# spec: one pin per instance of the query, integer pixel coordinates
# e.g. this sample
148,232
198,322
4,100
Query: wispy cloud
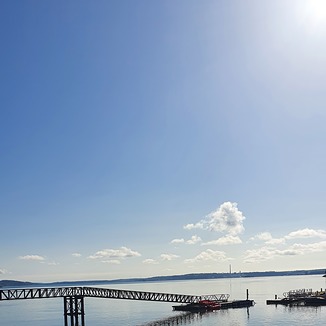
193,240
177,241
264,236
169,257
121,253
3,271
223,241
259,255
150,261
32,257
267,253
111,261
298,234
208,255
268,239
76,254
306,233
227,218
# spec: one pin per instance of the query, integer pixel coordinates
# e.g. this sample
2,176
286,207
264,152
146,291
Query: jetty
300,297
74,306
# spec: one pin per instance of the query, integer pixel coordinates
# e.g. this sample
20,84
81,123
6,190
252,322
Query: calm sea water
112,312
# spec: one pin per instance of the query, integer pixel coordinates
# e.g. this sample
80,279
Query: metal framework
39,293
74,311
73,298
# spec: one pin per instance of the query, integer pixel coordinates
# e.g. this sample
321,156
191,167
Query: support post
74,311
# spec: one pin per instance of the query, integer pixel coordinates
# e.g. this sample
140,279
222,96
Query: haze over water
111,312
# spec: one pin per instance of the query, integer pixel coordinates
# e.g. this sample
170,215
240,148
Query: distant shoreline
183,277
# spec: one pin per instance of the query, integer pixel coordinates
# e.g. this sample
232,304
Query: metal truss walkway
74,311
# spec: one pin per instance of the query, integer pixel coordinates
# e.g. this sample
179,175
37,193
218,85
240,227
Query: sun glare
314,12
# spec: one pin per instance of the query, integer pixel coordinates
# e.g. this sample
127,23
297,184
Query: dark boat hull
198,307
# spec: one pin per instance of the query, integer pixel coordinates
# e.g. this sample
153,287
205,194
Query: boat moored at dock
200,306
301,297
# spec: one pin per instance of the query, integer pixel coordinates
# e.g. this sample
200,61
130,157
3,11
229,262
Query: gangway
73,298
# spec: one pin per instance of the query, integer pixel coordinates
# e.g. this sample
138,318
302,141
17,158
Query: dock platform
200,307
300,297
237,304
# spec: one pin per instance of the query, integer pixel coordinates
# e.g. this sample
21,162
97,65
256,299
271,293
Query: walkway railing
39,293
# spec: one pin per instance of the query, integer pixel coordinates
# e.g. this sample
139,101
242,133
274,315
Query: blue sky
143,138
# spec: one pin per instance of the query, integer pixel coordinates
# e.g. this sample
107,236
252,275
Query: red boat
200,306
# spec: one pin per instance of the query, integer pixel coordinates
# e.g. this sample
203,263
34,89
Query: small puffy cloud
150,261
208,255
177,241
223,241
264,236
169,257
76,254
268,239
198,225
3,271
108,254
194,239
32,258
227,218
306,233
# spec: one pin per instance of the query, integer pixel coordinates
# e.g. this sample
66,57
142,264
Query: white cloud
121,253
169,257
264,236
301,249
176,241
150,261
299,234
223,241
3,271
76,254
227,218
208,255
198,225
194,239
267,253
111,261
259,255
268,239
306,233
32,257
275,241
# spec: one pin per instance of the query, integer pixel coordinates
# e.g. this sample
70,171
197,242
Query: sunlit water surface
112,312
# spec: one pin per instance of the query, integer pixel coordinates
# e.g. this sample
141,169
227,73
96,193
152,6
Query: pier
301,297
73,298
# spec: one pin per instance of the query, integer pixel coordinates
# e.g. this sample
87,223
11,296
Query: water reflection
181,319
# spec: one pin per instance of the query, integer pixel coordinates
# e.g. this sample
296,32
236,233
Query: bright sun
315,12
